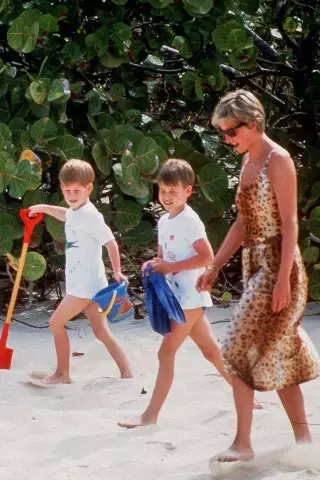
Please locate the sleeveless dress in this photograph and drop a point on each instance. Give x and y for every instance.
(269, 351)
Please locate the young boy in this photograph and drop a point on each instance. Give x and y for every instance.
(183, 254)
(86, 232)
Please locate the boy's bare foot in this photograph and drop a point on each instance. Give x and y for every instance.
(257, 405)
(56, 379)
(234, 454)
(138, 422)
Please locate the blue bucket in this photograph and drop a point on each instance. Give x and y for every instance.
(114, 302)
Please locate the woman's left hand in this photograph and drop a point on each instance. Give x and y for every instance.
(281, 297)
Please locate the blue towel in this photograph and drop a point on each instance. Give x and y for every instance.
(161, 303)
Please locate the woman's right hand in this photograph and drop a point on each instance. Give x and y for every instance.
(206, 280)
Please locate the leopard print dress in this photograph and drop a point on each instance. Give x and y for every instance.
(269, 351)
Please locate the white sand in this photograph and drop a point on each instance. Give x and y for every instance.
(70, 432)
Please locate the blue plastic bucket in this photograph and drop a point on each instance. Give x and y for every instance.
(114, 302)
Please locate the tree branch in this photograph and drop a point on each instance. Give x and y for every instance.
(172, 71)
(285, 117)
(263, 45)
(234, 74)
(264, 72)
(279, 20)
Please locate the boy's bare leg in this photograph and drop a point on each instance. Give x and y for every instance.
(102, 332)
(67, 309)
(203, 337)
(170, 344)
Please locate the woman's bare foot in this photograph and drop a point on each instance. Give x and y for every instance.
(139, 422)
(56, 379)
(234, 454)
(126, 374)
(257, 405)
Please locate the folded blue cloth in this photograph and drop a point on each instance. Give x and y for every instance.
(161, 303)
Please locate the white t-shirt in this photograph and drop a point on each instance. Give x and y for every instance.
(176, 236)
(86, 232)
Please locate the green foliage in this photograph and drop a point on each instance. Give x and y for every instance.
(126, 85)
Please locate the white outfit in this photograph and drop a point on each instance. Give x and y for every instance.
(86, 232)
(176, 237)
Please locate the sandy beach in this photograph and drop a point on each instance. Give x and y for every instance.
(70, 432)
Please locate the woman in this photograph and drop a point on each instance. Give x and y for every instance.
(265, 348)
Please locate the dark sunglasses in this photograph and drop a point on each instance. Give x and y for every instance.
(231, 132)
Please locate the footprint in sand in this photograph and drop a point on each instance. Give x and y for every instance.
(35, 379)
(167, 445)
(304, 459)
(100, 383)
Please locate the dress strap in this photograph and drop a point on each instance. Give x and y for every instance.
(244, 163)
(266, 163)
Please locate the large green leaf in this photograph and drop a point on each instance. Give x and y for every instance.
(182, 45)
(39, 90)
(191, 85)
(55, 228)
(314, 283)
(142, 234)
(249, 6)
(59, 90)
(42, 130)
(160, 3)
(34, 197)
(72, 53)
(94, 102)
(130, 171)
(138, 190)
(117, 92)
(311, 254)
(113, 61)
(6, 144)
(221, 33)
(314, 223)
(6, 238)
(213, 181)
(198, 8)
(147, 155)
(102, 158)
(27, 175)
(3, 87)
(12, 221)
(128, 213)
(121, 36)
(35, 266)
(66, 146)
(8, 169)
(23, 37)
(48, 23)
(217, 233)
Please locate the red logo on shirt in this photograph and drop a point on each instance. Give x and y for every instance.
(172, 237)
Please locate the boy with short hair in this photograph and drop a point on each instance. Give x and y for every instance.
(86, 232)
(183, 253)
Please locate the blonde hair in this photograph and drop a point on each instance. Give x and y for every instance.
(174, 171)
(242, 106)
(77, 171)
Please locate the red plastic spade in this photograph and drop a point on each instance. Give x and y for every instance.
(29, 224)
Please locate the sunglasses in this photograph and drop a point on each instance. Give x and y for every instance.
(230, 132)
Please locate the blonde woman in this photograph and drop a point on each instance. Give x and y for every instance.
(265, 348)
